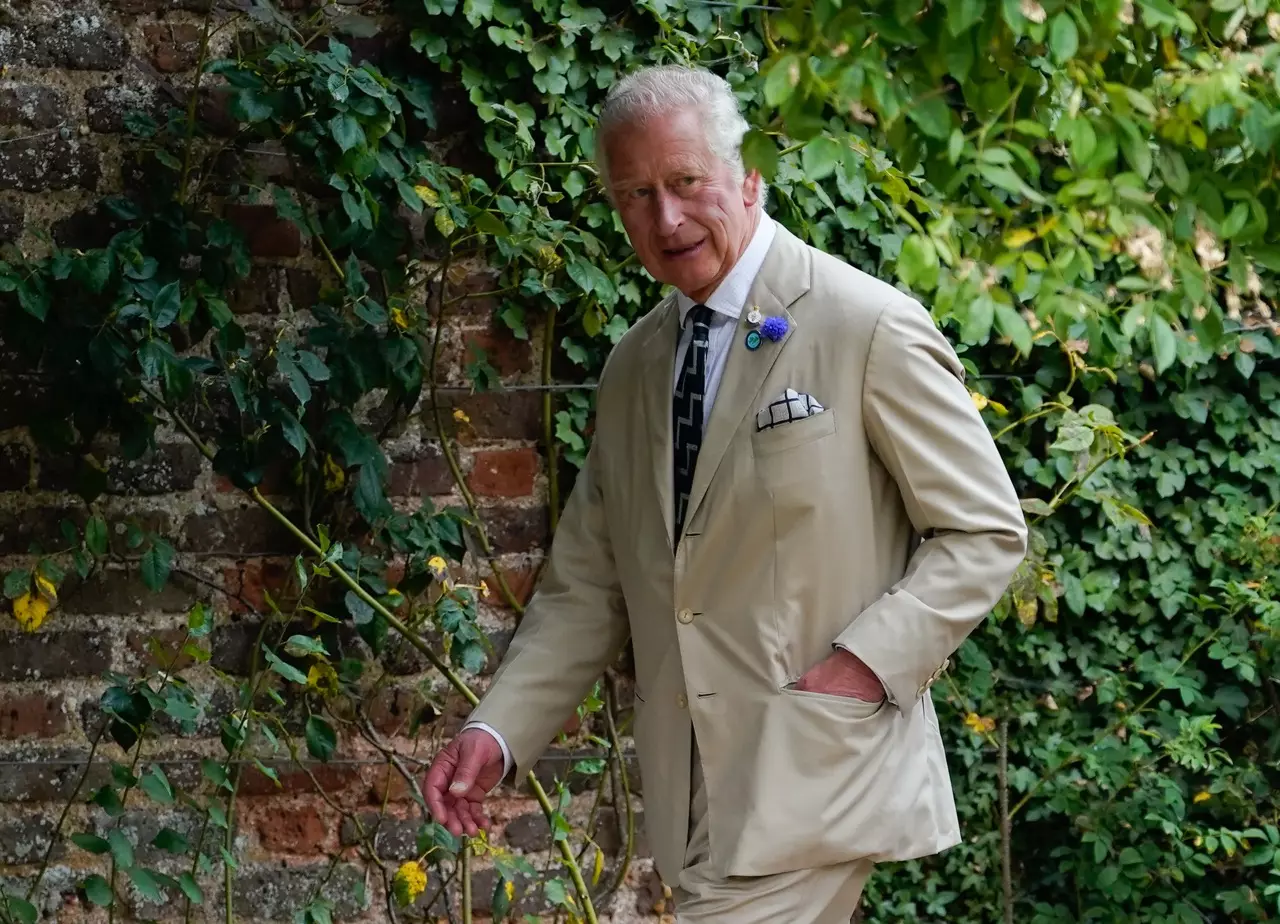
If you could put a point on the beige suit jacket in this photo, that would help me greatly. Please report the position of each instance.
(886, 524)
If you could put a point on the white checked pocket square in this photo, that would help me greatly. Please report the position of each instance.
(790, 406)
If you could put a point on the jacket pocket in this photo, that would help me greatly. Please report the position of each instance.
(786, 436)
(855, 708)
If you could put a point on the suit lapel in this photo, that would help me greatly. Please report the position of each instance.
(658, 360)
(784, 277)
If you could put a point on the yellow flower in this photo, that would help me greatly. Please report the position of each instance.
(30, 611)
(334, 476)
(484, 590)
(509, 888)
(437, 566)
(1201, 796)
(322, 679)
(461, 416)
(399, 318)
(979, 400)
(979, 724)
(410, 881)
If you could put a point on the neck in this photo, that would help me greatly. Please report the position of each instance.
(702, 294)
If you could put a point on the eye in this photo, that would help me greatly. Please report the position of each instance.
(688, 180)
(639, 192)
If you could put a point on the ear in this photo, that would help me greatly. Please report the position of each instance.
(751, 186)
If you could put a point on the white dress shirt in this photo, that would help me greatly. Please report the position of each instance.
(727, 303)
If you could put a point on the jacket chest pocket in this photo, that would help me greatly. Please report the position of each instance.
(782, 437)
(794, 461)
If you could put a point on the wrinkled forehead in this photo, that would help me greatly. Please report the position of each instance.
(659, 145)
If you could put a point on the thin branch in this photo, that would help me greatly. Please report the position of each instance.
(1006, 824)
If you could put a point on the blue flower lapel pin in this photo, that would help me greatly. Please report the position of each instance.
(774, 327)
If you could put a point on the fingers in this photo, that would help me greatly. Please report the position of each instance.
(471, 760)
(438, 778)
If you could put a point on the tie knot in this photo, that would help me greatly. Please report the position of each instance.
(699, 314)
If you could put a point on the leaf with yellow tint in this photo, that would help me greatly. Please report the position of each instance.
(334, 476)
(47, 590)
(30, 611)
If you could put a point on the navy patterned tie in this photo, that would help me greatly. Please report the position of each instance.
(686, 429)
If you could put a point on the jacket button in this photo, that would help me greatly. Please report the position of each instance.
(681, 700)
(685, 616)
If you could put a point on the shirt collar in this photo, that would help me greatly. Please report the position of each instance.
(730, 296)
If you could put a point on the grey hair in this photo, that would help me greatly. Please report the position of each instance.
(654, 91)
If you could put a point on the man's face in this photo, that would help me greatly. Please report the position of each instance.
(687, 217)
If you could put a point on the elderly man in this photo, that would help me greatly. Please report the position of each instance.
(792, 508)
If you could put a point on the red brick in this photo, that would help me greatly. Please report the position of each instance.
(268, 234)
(511, 415)
(52, 655)
(425, 472)
(516, 529)
(173, 46)
(238, 532)
(501, 348)
(392, 709)
(32, 716)
(520, 581)
(160, 648)
(258, 578)
(472, 285)
(504, 472)
(335, 779)
(386, 784)
(300, 829)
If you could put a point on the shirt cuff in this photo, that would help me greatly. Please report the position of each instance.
(888, 694)
(506, 752)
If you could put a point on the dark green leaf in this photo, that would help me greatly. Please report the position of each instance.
(321, 740)
(121, 848)
(346, 131)
(23, 911)
(156, 785)
(95, 535)
(98, 891)
(17, 583)
(146, 884)
(1064, 38)
(157, 563)
(165, 306)
(191, 889)
(91, 843)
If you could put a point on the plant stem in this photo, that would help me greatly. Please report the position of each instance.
(451, 458)
(1006, 825)
(566, 851)
(57, 829)
(192, 103)
(1118, 724)
(615, 745)
(466, 883)
(549, 423)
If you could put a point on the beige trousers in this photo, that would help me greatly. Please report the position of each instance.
(812, 896)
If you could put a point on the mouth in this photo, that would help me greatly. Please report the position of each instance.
(684, 253)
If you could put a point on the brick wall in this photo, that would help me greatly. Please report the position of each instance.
(70, 73)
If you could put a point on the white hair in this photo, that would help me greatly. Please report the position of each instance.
(655, 91)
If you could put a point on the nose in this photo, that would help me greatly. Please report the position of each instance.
(670, 213)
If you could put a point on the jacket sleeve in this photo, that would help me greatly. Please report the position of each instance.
(926, 431)
(573, 629)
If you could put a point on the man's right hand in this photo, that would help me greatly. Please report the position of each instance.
(459, 779)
